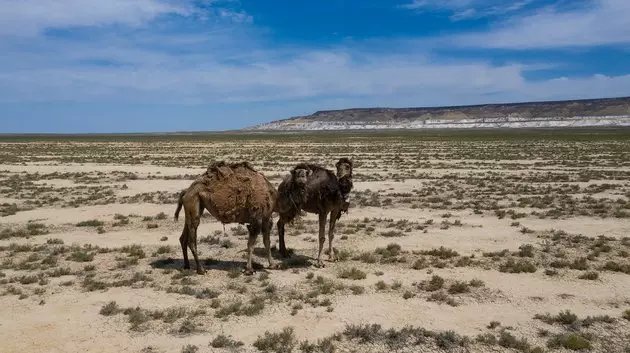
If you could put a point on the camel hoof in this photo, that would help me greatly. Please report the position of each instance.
(186, 267)
(320, 264)
(273, 266)
(248, 272)
(201, 271)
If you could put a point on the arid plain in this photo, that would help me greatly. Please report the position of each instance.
(454, 242)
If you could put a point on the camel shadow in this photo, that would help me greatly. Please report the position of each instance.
(208, 264)
(292, 261)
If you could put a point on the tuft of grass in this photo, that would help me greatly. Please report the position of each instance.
(357, 290)
(626, 315)
(590, 320)
(526, 250)
(381, 285)
(80, 256)
(508, 340)
(164, 249)
(590, 275)
(570, 341)
(442, 253)
(436, 283)
(91, 223)
(476, 283)
(522, 266)
(281, 342)
(367, 257)
(420, 264)
(564, 317)
(189, 348)
(161, 216)
(352, 273)
(187, 327)
(493, 325)
(458, 288)
(222, 341)
(110, 309)
(441, 297)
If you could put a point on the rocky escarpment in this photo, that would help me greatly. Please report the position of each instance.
(576, 113)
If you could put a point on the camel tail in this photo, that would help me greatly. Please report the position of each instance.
(180, 203)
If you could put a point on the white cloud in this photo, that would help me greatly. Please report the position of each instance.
(469, 9)
(602, 22)
(30, 17)
(226, 64)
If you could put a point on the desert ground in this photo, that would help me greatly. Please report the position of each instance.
(454, 242)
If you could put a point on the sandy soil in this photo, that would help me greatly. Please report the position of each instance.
(62, 313)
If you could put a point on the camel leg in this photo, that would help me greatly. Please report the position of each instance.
(254, 229)
(183, 241)
(267, 225)
(331, 235)
(322, 237)
(192, 242)
(283, 248)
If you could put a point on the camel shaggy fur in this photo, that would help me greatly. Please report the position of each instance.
(326, 194)
(234, 193)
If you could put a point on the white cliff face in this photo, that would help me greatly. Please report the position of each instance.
(421, 124)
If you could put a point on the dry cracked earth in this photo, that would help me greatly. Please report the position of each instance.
(458, 242)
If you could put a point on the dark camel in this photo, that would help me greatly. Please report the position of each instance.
(233, 193)
(326, 193)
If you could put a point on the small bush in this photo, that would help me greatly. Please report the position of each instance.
(526, 250)
(353, 273)
(189, 348)
(282, 342)
(357, 290)
(161, 216)
(564, 317)
(420, 264)
(367, 257)
(591, 275)
(458, 288)
(110, 309)
(493, 325)
(511, 266)
(570, 341)
(442, 253)
(91, 223)
(81, 256)
(476, 283)
(381, 285)
(436, 283)
(626, 315)
(507, 340)
(222, 341)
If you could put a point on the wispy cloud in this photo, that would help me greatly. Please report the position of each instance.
(160, 51)
(30, 17)
(469, 9)
(591, 23)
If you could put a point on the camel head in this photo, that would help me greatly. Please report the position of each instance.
(300, 174)
(344, 168)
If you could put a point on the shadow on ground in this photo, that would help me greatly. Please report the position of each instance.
(293, 261)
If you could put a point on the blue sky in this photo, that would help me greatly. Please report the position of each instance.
(166, 65)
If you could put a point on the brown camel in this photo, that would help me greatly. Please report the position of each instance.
(233, 193)
(326, 193)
